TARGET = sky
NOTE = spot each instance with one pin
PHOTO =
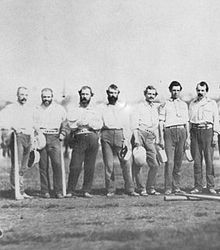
(132, 43)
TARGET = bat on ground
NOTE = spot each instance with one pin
(178, 198)
(202, 196)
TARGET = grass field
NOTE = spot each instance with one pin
(120, 222)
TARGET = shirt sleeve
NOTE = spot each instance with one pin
(216, 126)
(162, 112)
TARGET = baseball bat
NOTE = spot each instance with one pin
(178, 198)
(18, 195)
(63, 171)
(175, 198)
(202, 196)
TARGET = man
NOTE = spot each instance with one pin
(18, 118)
(204, 125)
(174, 130)
(114, 137)
(145, 133)
(49, 117)
(84, 122)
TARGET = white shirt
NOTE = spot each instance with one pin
(145, 117)
(117, 117)
(203, 111)
(18, 116)
(49, 117)
(174, 112)
(79, 117)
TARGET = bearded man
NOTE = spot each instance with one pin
(85, 123)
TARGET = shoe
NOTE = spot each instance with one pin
(110, 194)
(59, 196)
(69, 195)
(212, 191)
(168, 192)
(178, 191)
(143, 193)
(195, 191)
(153, 192)
(45, 196)
(87, 195)
(26, 196)
(133, 193)
(20, 197)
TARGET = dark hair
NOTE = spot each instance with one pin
(47, 89)
(86, 87)
(113, 86)
(203, 84)
(174, 83)
(150, 87)
(19, 88)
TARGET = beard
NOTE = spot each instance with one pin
(112, 99)
(84, 101)
(46, 102)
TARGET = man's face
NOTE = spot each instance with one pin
(175, 92)
(22, 96)
(85, 96)
(46, 98)
(150, 95)
(112, 95)
(201, 91)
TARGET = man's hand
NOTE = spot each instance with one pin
(214, 140)
(61, 137)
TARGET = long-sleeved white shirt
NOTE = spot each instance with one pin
(19, 117)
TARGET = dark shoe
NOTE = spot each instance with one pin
(46, 196)
(195, 191)
(59, 196)
(178, 191)
(168, 192)
(134, 194)
(153, 192)
(143, 193)
(212, 191)
(87, 195)
(110, 194)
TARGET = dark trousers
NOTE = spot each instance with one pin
(147, 141)
(52, 151)
(111, 141)
(175, 139)
(24, 146)
(201, 143)
(85, 149)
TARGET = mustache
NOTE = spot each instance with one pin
(199, 94)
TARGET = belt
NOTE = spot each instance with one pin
(49, 131)
(147, 131)
(84, 131)
(176, 126)
(201, 125)
(112, 129)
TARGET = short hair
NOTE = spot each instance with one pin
(86, 87)
(113, 86)
(150, 87)
(174, 83)
(203, 84)
(21, 87)
(47, 89)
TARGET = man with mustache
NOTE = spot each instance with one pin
(204, 129)
(18, 118)
(85, 123)
(115, 135)
(49, 117)
(174, 131)
(145, 134)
